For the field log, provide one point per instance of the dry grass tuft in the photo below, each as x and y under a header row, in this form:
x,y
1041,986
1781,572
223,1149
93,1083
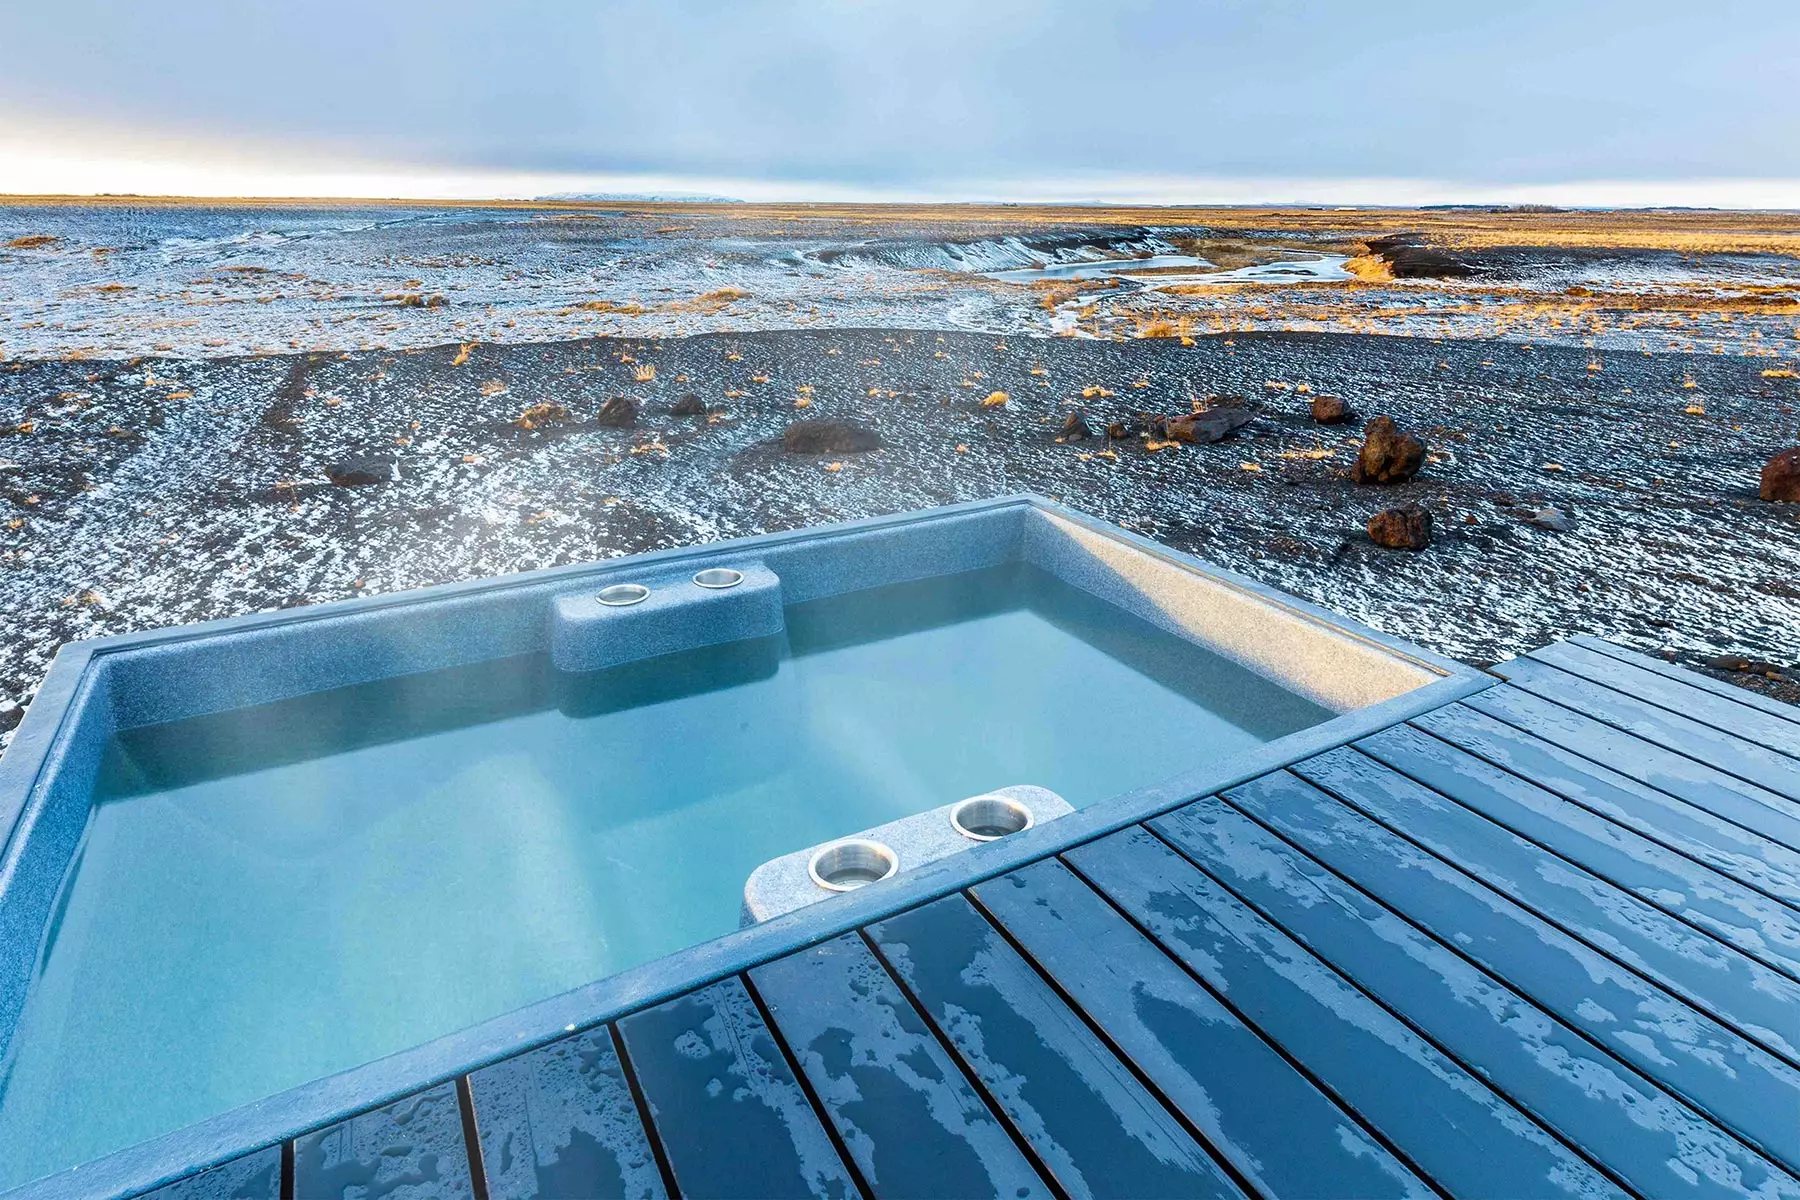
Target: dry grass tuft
x,y
629,308
708,303
995,400
541,414
1161,325
1370,268
33,241
644,372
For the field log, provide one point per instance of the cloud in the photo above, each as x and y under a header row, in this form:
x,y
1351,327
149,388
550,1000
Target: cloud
x,y
1197,97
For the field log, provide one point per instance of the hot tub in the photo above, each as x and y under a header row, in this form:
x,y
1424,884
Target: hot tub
x,y
246,855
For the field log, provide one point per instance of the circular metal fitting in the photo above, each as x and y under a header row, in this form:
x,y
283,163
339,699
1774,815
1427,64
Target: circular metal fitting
x,y
621,594
719,577
855,862
988,818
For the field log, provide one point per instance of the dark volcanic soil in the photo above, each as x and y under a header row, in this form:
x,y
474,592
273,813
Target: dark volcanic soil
x,y
158,492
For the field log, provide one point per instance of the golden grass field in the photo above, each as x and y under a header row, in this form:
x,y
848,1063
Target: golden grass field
x,y
1690,230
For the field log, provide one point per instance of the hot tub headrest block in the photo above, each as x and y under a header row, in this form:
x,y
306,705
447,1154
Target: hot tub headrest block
x,y
677,614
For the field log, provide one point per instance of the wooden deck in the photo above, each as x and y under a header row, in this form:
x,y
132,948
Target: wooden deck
x,y
1544,941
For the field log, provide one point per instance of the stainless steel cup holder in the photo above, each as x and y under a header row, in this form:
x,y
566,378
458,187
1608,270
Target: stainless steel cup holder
x,y
620,595
989,818
719,578
855,862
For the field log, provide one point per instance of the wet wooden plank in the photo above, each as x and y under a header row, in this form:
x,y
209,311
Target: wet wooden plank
x,y
561,1121
1749,921
411,1149
1693,679
732,1118
1461,1133
1098,1130
1735,755
1654,1141
1686,1050
1779,731
1705,787
1733,851
1743,993
1275,1128
903,1108
253,1177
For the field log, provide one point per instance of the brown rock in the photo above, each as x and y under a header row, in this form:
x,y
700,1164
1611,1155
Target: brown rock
x,y
364,470
1407,527
1781,477
1213,425
1075,429
1389,454
620,412
1118,430
1330,410
1746,666
690,405
829,437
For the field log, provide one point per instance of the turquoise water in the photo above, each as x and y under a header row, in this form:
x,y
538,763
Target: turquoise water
x,y
273,894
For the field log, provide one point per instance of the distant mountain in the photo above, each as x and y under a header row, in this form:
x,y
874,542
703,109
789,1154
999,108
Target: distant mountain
x,y
645,197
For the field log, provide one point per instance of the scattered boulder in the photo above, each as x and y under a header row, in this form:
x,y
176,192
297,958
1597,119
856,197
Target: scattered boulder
x,y
829,437
1406,527
1781,477
1075,429
1389,454
1551,518
1213,425
1118,430
690,405
620,412
1330,410
1738,664
364,470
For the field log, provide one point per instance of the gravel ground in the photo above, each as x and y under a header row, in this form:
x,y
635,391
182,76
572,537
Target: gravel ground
x,y
153,492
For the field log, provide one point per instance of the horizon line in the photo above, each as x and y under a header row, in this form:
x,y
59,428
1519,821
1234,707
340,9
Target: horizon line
x,y
1526,208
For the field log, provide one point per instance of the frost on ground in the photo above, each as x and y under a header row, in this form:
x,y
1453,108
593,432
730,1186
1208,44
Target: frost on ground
x,y
180,384
159,492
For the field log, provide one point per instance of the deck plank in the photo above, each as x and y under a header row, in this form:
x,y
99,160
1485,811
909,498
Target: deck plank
x,y
1727,797
1750,858
1658,1144
902,1107
561,1121
1738,756
1700,897
1688,1051
1090,1121
411,1149
1694,679
1464,1135
1743,993
731,1117
253,1177
1720,710
1283,1135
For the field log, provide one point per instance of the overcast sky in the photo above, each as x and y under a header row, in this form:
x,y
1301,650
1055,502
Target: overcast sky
x,y
1630,101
